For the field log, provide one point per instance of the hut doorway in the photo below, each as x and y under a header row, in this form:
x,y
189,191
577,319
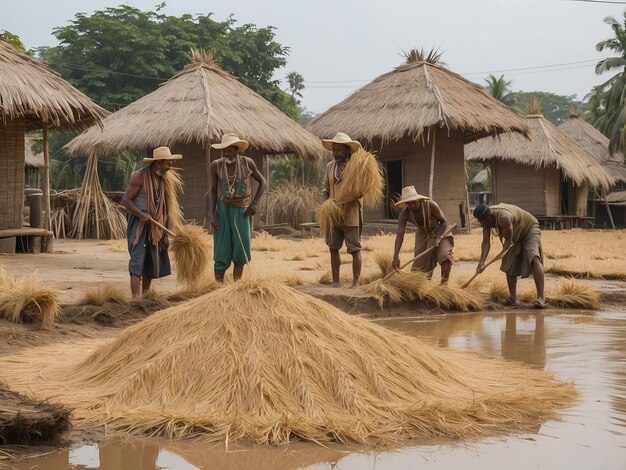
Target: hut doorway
x,y
565,197
394,186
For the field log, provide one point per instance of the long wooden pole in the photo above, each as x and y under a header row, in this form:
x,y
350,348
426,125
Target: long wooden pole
x,y
432,165
495,258
46,179
428,250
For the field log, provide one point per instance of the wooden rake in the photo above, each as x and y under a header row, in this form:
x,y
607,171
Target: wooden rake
x,y
423,253
496,258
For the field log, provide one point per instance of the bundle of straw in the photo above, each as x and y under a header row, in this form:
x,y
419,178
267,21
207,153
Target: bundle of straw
x,y
193,254
25,300
362,178
259,361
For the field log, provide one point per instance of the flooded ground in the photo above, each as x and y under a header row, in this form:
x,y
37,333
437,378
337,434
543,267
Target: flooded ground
x,y
588,348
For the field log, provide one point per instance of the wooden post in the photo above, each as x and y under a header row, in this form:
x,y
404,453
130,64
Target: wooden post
x,y
207,162
608,209
266,162
432,165
46,179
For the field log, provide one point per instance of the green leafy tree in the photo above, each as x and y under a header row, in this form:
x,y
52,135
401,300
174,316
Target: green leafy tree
x,y
296,85
13,39
607,101
555,108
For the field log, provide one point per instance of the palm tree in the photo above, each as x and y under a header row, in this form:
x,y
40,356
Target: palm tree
x,y
500,89
296,85
608,100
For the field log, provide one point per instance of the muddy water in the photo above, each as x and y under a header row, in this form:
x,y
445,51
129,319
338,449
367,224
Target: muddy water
x,y
587,348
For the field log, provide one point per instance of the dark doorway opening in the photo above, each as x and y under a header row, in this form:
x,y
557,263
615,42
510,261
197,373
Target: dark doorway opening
x,y
564,197
394,186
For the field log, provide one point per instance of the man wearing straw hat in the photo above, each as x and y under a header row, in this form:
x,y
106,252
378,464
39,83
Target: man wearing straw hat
x,y
431,224
230,206
349,232
145,199
514,226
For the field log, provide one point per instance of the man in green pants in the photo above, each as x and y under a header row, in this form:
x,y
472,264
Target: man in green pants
x,y
230,206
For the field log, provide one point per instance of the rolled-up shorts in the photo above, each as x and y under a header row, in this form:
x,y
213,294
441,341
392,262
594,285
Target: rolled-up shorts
x,y
350,235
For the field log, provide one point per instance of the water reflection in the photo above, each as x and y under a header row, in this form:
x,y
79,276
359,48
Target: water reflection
x,y
524,344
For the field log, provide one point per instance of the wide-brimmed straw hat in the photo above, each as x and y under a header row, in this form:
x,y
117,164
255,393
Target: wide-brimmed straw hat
x,y
409,194
341,138
162,153
231,139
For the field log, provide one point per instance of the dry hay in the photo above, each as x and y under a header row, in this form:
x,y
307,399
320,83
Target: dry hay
x,y
263,241
261,362
103,294
572,294
293,279
293,204
26,300
24,420
330,215
192,250
362,179
414,286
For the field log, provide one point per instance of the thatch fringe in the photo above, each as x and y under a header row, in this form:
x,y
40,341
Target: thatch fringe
x,y
26,300
30,90
259,361
24,420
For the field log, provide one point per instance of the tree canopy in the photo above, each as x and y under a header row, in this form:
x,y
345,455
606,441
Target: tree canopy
x,y
119,54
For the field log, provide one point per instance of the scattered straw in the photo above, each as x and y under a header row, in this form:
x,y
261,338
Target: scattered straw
x,y
26,300
572,294
259,361
104,293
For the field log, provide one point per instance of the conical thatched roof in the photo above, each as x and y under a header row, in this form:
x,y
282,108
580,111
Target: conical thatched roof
x,y
28,89
199,104
547,146
596,144
410,99
30,159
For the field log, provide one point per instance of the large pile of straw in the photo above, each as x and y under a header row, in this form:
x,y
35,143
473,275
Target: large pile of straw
x,y
363,179
259,361
26,300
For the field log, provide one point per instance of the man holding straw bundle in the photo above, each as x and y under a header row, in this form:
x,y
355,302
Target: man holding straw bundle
x,y
431,224
151,197
351,179
230,207
514,226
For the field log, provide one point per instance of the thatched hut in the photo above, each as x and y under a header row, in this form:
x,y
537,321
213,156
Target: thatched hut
x,y
417,118
613,210
548,174
188,113
32,97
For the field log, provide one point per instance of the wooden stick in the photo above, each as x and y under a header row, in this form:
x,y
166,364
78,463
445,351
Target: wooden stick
x,y
496,258
428,250
162,227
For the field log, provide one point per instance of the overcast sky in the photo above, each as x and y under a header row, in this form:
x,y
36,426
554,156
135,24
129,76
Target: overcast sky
x,y
341,45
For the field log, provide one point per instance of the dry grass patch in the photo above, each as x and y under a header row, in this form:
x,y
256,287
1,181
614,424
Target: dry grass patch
x,y
103,294
24,299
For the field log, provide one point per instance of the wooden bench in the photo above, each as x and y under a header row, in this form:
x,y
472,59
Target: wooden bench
x,y
310,226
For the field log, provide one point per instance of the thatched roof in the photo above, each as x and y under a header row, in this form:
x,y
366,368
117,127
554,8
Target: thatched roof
x,y
596,144
28,89
412,98
30,159
199,104
547,146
